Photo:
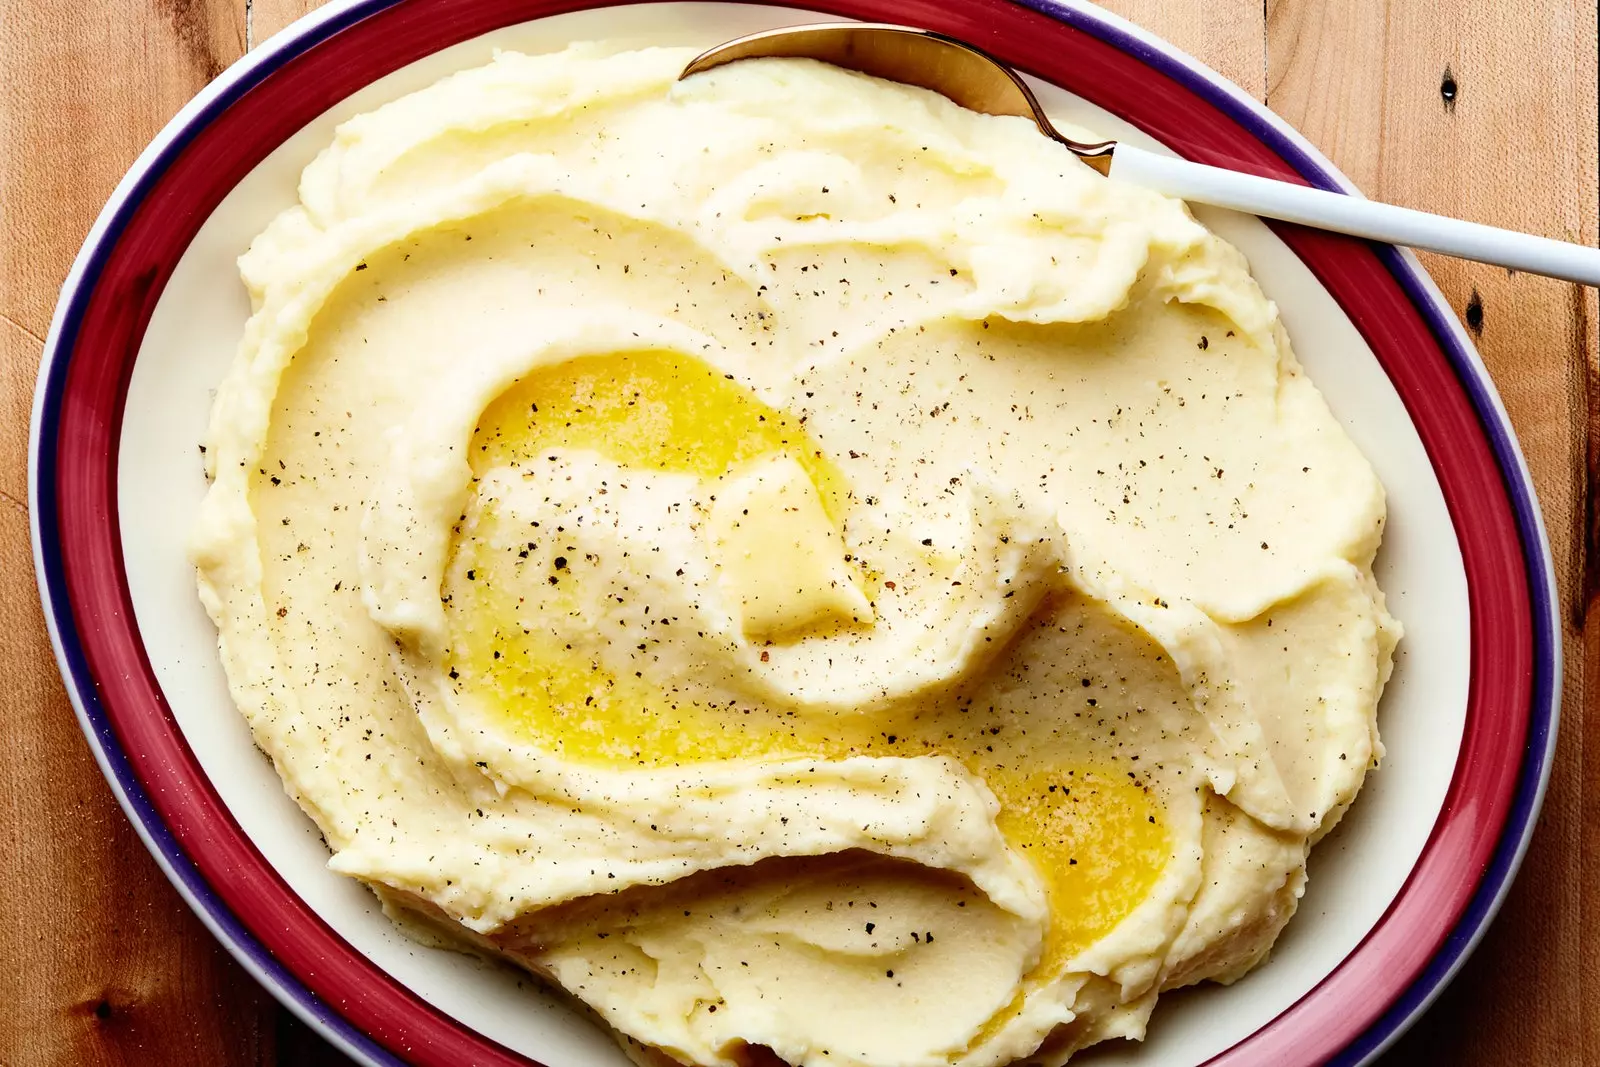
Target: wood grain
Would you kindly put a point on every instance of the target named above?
(1229, 36)
(267, 17)
(100, 963)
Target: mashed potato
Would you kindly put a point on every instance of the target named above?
(802, 566)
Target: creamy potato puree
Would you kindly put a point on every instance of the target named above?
(813, 571)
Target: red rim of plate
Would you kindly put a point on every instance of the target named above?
(1361, 1006)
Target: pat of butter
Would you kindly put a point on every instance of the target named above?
(780, 560)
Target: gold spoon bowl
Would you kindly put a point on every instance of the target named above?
(954, 69)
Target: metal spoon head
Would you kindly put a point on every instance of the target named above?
(954, 69)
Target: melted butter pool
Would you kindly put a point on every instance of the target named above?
(655, 410)
(1094, 832)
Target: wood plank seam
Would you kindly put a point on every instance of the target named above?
(1586, 351)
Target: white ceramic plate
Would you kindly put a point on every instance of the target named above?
(153, 484)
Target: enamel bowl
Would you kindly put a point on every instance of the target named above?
(150, 318)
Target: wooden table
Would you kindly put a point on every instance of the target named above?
(1484, 109)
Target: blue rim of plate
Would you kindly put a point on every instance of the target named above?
(317, 27)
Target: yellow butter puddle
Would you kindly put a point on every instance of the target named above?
(655, 410)
(1094, 834)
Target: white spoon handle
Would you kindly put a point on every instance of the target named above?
(1353, 215)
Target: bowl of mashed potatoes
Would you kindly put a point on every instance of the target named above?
(777, 568)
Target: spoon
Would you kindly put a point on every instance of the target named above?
(979, 82)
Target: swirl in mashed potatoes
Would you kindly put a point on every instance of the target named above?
(801, 565)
